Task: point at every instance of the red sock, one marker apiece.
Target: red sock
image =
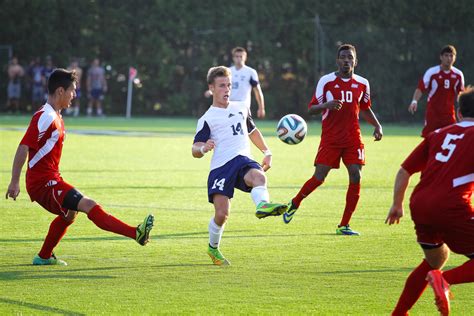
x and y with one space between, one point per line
352 197
461 274
414 287
110 223
57 229
306 190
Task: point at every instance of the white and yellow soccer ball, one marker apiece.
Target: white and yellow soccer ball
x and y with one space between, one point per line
292 129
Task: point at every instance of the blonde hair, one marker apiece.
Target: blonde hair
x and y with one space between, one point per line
219 71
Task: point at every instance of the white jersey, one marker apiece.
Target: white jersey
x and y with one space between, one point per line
243 80
229 129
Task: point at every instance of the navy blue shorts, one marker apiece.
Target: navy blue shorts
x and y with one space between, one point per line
97 94
224 179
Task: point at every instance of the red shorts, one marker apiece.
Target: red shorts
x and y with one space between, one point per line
331 156
457 233
435 123
51 196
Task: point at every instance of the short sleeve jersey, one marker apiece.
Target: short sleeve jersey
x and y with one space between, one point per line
443 88
243 80
96 76
229 128
341 128
446 161
44 138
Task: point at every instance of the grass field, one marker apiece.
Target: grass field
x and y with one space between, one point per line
300 268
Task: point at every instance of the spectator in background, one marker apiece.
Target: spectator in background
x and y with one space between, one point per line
38 82
15 72
76 102
96 87
47 70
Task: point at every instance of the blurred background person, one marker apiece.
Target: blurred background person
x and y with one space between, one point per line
76 102
96 87
38 83
15 72
47 70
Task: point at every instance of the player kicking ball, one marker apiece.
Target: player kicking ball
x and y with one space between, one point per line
43 144
226 128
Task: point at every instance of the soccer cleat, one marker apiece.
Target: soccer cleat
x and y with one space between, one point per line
290 212
346 230
217 257
441 290
38 261
265 209
143 230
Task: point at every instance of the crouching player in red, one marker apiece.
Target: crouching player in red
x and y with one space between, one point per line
440 207
42 144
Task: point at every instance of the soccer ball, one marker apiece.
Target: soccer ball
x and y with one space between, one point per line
291 129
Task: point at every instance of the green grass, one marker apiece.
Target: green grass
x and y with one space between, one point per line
299 268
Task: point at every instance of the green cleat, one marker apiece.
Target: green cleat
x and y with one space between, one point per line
38 261
143 230
217 257
265 209
290 212
346 230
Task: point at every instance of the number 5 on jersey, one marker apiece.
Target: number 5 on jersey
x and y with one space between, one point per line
219 184
449 146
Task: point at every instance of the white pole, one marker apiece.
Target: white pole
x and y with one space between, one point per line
129 98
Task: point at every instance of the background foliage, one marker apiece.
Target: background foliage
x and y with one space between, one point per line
173 43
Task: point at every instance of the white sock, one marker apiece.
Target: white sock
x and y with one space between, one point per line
260 194
215 233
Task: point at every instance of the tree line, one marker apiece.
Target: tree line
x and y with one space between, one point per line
290 43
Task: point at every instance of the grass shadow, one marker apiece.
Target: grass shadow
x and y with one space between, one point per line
39 307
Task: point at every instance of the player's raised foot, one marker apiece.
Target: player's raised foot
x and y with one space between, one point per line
217 257
143 230
38 261
346 230
441 291
265 209
290 212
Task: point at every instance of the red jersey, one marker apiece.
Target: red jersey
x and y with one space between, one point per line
443 88
44 138
341 128
446 161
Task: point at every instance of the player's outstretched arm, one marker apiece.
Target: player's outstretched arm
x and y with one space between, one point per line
257 139
369 116
396 211
199 149
20 158
414 103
